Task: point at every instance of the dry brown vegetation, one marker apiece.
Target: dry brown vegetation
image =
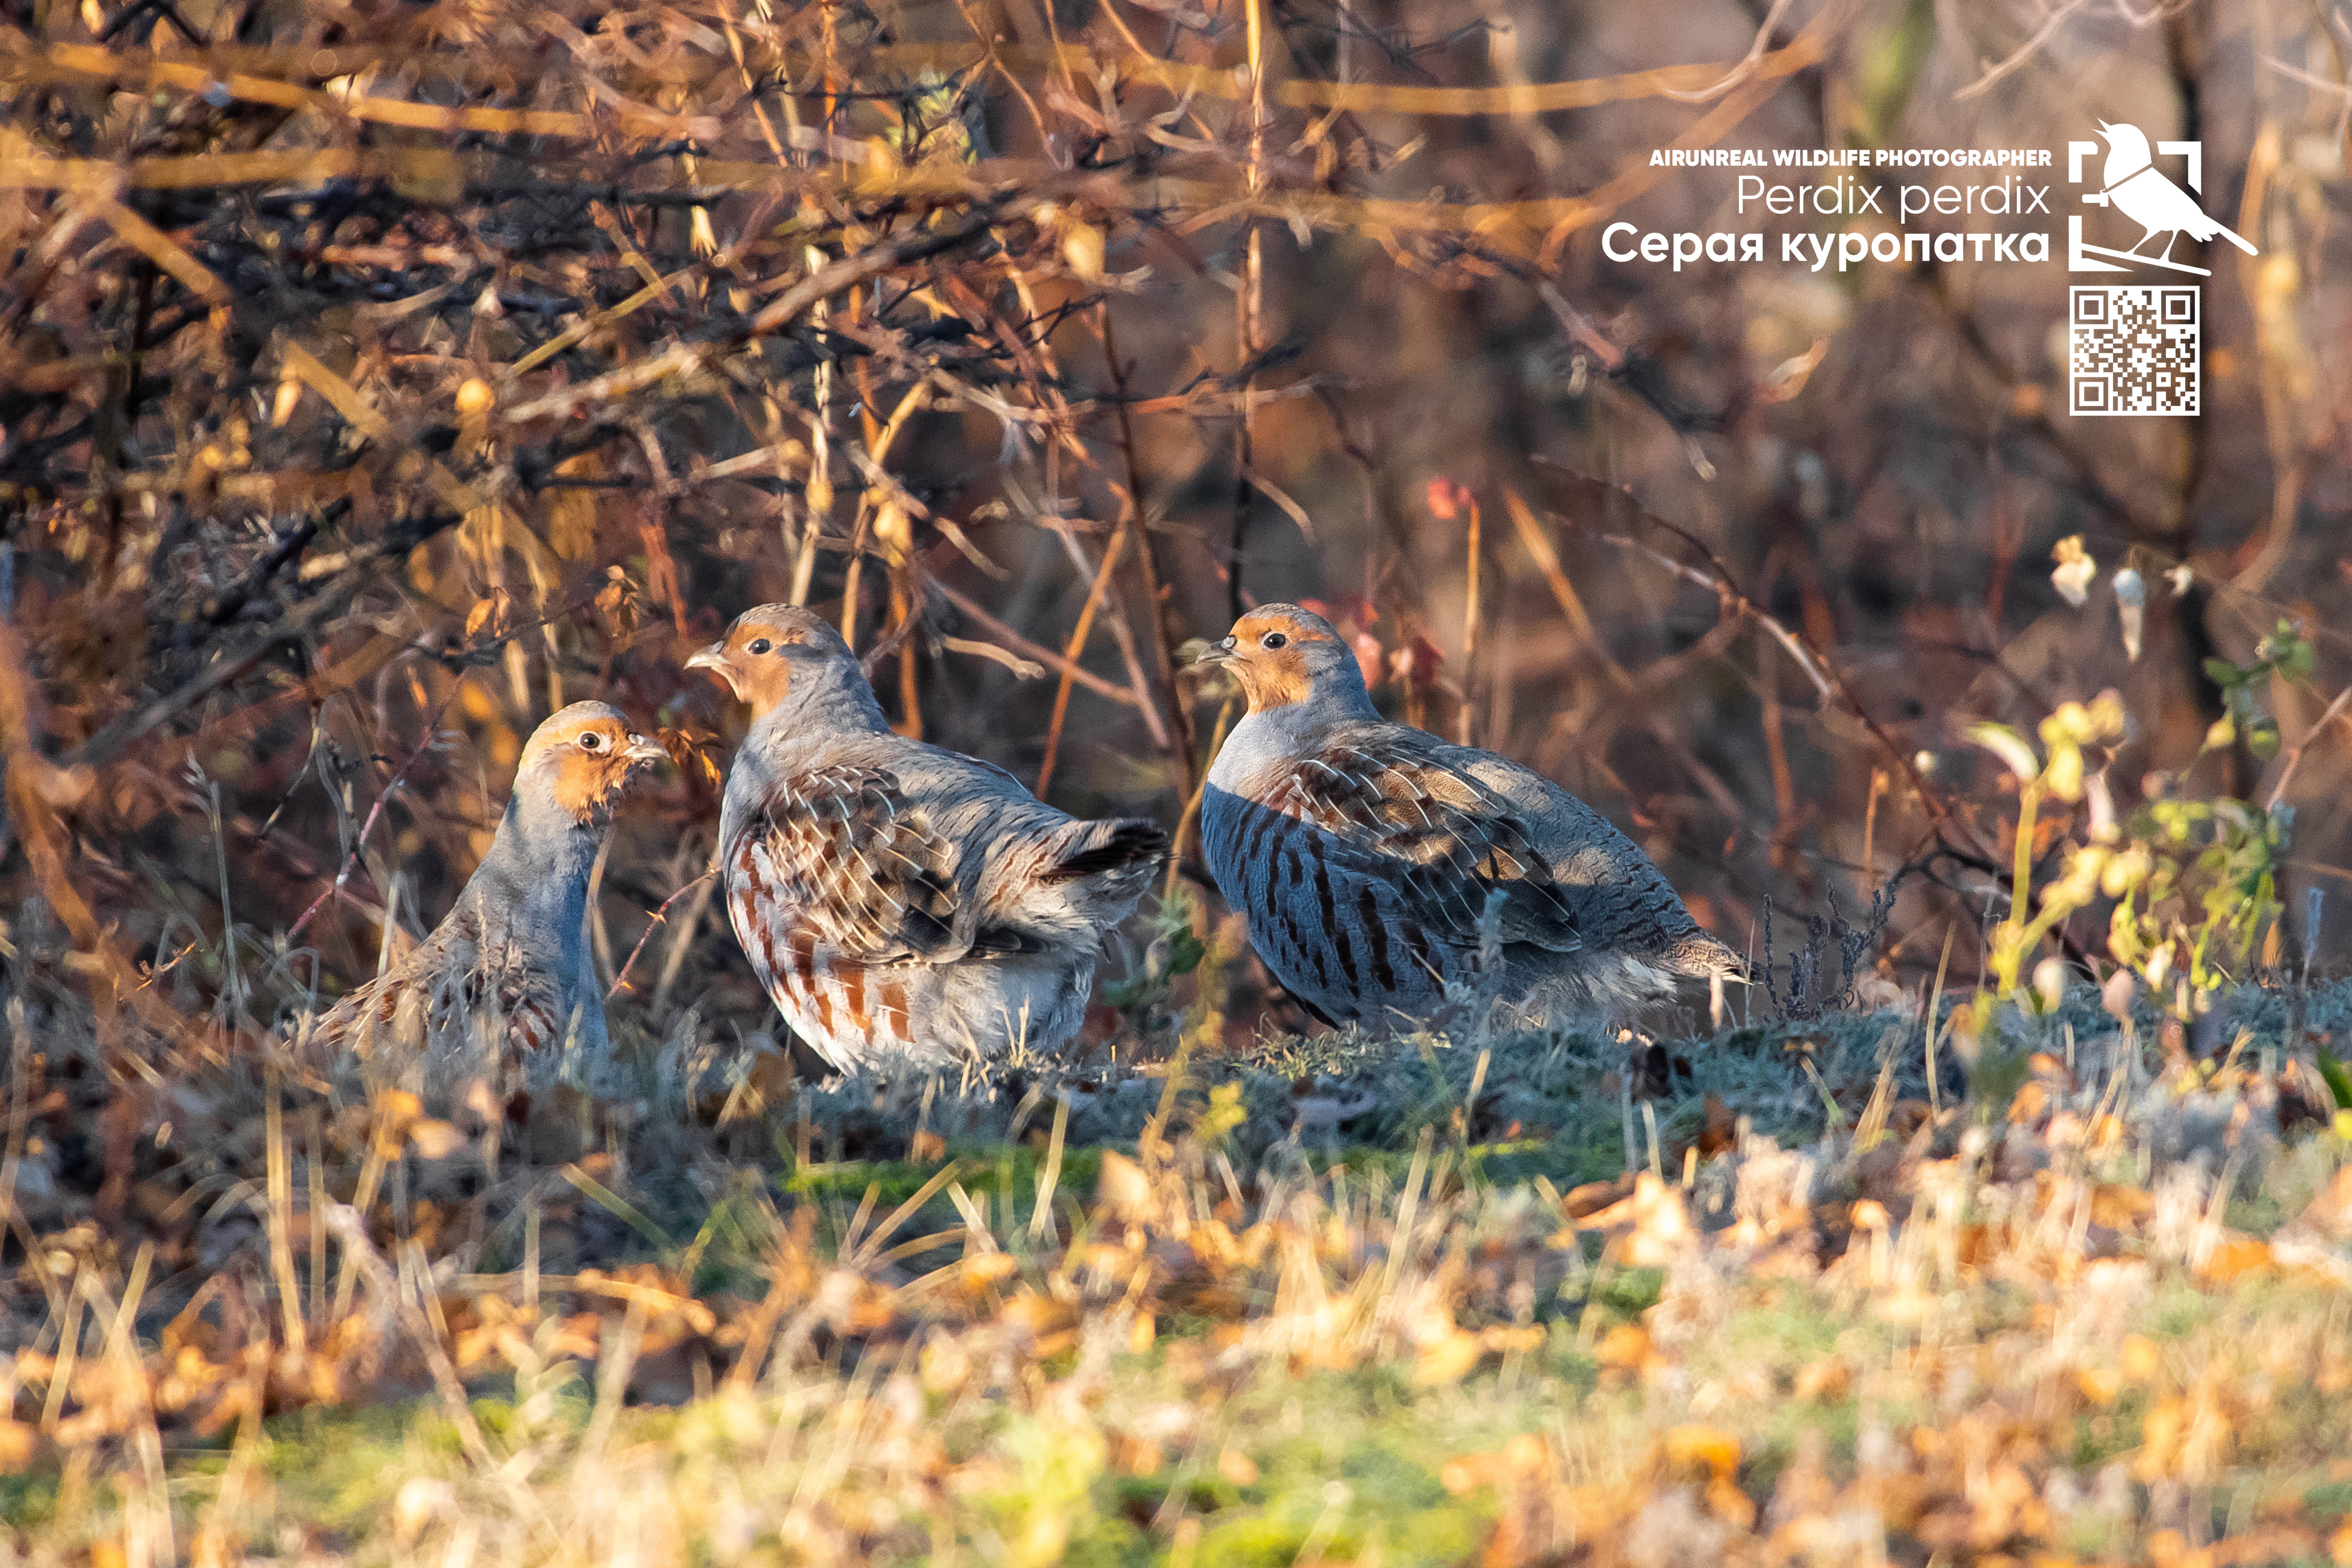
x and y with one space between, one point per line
376 378
2109 1325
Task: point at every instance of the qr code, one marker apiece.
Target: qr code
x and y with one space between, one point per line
2135 350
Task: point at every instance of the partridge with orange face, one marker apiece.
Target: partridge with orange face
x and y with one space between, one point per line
898 900
1373 860
509 968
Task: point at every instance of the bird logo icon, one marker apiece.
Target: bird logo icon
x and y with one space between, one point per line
2132 185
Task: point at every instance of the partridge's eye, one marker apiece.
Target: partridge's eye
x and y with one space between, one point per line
1274 640
760 645
592 741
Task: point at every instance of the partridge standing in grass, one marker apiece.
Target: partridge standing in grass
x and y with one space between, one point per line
510 958
1369 855
899 900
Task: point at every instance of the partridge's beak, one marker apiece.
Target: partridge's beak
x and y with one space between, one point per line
1222 652
644 750
714 659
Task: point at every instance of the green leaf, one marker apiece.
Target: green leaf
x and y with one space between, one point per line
2262 739
2224 674
1185 951
1223 1112
2223 733
2339 1082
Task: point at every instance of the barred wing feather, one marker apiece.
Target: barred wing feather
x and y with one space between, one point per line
450 982
1445 840
840 857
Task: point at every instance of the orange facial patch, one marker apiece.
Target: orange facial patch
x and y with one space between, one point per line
589 782
760 679
1273 676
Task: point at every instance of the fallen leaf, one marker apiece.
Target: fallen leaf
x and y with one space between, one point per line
986 1268
2235 1257
420 1501
1825 1380
1692 1446
1123 1187
1446 1360
436 1140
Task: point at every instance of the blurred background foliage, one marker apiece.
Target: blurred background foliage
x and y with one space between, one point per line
375 377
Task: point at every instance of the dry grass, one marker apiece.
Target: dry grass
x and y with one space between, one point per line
1338 1300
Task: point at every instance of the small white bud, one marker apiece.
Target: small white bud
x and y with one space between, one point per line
2050 983
2131 606
2076 567
2117 995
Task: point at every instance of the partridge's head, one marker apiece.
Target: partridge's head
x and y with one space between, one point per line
1282 654
583 758
767 649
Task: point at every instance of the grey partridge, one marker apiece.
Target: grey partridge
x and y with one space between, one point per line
898 900
510 961
1376 864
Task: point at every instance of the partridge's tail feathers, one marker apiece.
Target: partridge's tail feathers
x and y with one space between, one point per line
1114 844
1089 877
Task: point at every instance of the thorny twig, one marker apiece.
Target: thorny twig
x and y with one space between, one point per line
359 841
621 979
